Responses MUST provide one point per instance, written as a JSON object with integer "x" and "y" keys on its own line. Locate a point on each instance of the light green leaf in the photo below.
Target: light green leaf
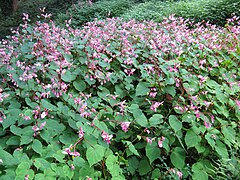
{"x": 113, "y": 167}
{"x": 48, "y": 105}
{"x": 200, "y": 175}
{"x": 138, "y": 115}
{"x": 68, "y": 76}
{"x": 142, "y": 89}
{"x": 221, "y": 149}
{"x": 79, "y": 84}
{"x": 175, "y": 123}
{"x": 133, "y": 149}
{"x": 156, "y": 119}
{"x": 25, "y": 139}
{"x": 37, "y": 146}
{"x": 95, "y": 154}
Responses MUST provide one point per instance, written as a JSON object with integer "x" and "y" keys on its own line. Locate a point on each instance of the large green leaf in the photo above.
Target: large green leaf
{"x": 152, "y": 151}
{"x": 175, "y": 123}
{"x": 95, "y": 154}
{"x": 178, "y": 157}
{"x": 79, "y": 84}
{"x": 37, "y": 146}
{"x": 192, "y": 139}
{"x": 138, "y": 115}
{"x": 142, "y": 89}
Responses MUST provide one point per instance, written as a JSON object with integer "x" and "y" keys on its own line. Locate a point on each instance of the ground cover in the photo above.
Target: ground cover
{"x": 120, "y": 99}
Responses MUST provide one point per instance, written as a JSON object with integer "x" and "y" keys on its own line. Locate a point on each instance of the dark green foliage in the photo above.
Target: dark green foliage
{"x": 83, "y": 13}
{"x": 11, "y": 20}
{"x": 214, "y": 11}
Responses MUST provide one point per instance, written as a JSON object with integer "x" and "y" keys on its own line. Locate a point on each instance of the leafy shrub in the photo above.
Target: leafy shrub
{"x": 11, "y": 20}
{"x": 214, "y": 11}
{"x": 120, "y": 100}
{"x": 84, "y": 13}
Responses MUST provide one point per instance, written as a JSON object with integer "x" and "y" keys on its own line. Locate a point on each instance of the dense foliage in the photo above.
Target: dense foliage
{"x": 10, "y": 19}
{"x": 214, "y": 11}
{"x": 87, "y": 12}
{"x": 120, "y": 100}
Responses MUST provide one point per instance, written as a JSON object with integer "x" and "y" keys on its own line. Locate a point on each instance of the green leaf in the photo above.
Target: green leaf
{"x": 138, "y": 115}
{"x": 200, "y": 175}
{"x": 152, "y": 152}
{"x": 95, "y": 154}
{"x": 37, "y": 146}
{"x": 192, "y": 139}
{"x": 14, "y": 140}
{"x": 25, "y": 140}
{"x": 67, "y": 171}
{"x": 210, "y": 140}
{"x": 156, "y": 119}
{"x": 170, "y": 90}
{"x": 79, "y": 84}
{"x": 68, "y": 76}
{"x": 229, "y": 133}
{"x": 48, "y": 105}
{"x": 142, "y": 89}
{"x": 78, "y": 161}
{"x": 144, "y": 166}
{"x": 23, "y": 169}
{"x": 41, "y": 164}
{"x": 178, "y": 157}
{"x": 132, "y": 148}
{"x": 7, "y": 158}
{"x": 16, "y": 130}
{"x": 221, "y": 149}
{"x": 175, "y": 123}
{"x": 113, "y": 167}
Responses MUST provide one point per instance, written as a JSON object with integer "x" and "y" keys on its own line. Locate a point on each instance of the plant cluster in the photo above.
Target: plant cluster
{"x": 214, "y": 11}
{"x": 86, "y": 12}
{"x": 120, "y": 99}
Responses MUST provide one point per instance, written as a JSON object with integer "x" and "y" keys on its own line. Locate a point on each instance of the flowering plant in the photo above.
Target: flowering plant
{"x": 119, "y": 100}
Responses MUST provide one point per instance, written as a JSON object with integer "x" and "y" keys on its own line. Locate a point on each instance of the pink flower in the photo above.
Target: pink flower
{"x": 42, "y": 125}
{"x": 125, "y": 126}
{"x": 179, "y": 174}
{"x": 161, "y": 141}
{"x": 149, "y": 140}
{"x": 146, "y": 130}
{"x": 68, "y": 151}
{"x": 80, "y": 133}
{"x": 207, "y": 124}
{"x": 27, "y": 118}
{"x": 106, "y": 137}
{"x": 155, "y": 105}
{"x": 44, "y": 114}
{"x": 72, "y": 167}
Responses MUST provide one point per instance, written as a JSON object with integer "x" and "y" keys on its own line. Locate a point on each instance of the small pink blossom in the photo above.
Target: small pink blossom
{"x": 146, "y": 130}
{"x": 27, "y": 118}
{"x": 44, "y": 114}
{"x": 125, "y": 126}
{"x": 160, "y": 142}
{"x": 80, "y": 133}
{"x": 179, "y": 174}
{"x": 149, "y": 140}
{"x": 72, "y": 167}
{"x": 42, "y": 125}
{"x": 106, "y": 137}
{"x": 68, "y": 151}
{"x": 207, "y": 124}
{"x": 155, "y": 105}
